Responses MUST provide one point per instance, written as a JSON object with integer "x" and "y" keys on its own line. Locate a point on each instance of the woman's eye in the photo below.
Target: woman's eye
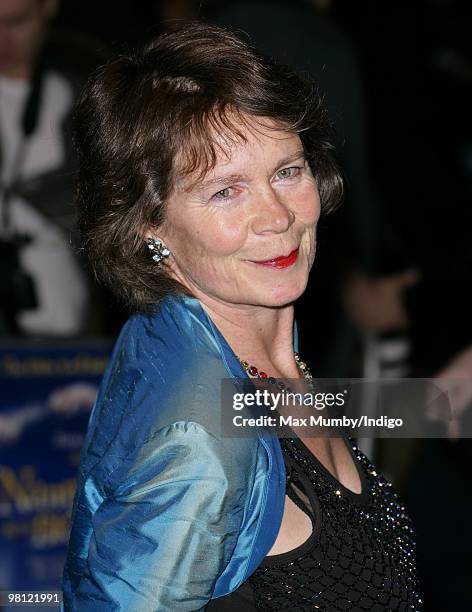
{"x": 287, "y": 173}
{"x": 224, "y": 194}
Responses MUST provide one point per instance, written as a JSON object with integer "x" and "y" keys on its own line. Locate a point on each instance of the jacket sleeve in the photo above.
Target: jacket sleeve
{"x": 167, "y": 526}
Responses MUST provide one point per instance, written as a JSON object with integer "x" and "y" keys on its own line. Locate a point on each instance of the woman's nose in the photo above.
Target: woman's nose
{"x": 271, "y": 213}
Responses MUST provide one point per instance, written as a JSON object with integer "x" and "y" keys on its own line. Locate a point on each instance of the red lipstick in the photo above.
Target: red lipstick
{"x": 280, "y": 262}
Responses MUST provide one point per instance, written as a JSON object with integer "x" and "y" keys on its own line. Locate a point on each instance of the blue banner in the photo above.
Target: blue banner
{"x": 46, "y": 394}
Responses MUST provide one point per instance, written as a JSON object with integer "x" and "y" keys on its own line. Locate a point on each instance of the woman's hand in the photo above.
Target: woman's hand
{"x": 455, "y": 379}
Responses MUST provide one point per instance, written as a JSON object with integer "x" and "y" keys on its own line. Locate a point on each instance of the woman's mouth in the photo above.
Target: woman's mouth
{"x": 280, "y": 262}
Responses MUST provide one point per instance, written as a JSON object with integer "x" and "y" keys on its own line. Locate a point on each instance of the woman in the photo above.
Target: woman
{"x": 204, "y": 169}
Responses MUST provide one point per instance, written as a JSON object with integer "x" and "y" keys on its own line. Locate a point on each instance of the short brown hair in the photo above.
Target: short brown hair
{"x": 141, "y": 111}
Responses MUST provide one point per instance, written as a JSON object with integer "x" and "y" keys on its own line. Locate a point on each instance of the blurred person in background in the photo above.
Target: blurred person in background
{"x": 420, "y": 95}
{"x": 44, "y": 289}
{"x": 417, "y": 57}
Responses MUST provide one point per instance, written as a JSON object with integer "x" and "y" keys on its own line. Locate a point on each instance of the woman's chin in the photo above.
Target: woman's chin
{"x": 282, "y": 295}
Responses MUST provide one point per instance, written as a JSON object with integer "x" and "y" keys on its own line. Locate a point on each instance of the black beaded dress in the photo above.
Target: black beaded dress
{"x": 359, "y": 557}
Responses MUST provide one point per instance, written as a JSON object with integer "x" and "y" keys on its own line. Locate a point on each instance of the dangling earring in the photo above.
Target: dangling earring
{"x": 158, "y": 248}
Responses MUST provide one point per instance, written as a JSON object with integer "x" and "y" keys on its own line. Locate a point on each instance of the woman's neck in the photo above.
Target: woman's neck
{"x": 261, "y": 335}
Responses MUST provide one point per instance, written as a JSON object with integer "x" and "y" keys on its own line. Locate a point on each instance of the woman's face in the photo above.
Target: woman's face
{"x": 244, "y": 234}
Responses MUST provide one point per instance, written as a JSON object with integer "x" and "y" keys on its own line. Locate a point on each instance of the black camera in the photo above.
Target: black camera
{"x": 17, "y": 289}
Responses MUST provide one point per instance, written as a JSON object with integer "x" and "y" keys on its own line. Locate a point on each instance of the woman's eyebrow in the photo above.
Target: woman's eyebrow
{"x": 289, "y": 159}
{"x": 220, "y": 180}
{"x": 235, "y": 178}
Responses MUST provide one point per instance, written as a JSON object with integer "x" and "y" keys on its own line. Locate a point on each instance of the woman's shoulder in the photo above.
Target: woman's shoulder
{"x": 177, "y": 323}
{"x": 176, "y": 330}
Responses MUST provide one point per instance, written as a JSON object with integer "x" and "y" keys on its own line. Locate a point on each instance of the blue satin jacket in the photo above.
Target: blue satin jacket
{"x": 168, "y": 513}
